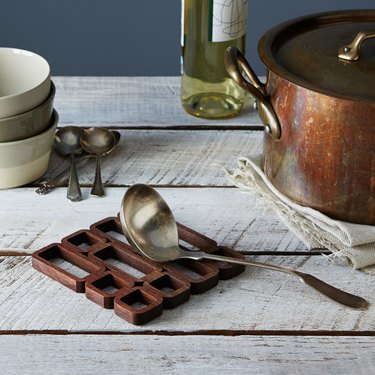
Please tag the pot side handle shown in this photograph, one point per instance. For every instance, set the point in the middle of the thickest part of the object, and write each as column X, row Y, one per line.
column 235, row 62
column 351, row 51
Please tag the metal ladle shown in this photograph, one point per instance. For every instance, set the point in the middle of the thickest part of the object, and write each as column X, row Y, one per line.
column 98, row 141
column 67, row 142
column 150, row 227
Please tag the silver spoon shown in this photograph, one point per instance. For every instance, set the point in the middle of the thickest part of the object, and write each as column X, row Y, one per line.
column 67, row 142
column 46, row 187
column 150, row 227
column 98, row 141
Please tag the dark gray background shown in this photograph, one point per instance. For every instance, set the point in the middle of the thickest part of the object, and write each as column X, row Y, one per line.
column 129, row 37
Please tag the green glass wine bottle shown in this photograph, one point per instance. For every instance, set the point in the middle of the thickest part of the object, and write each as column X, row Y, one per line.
column 208, row 28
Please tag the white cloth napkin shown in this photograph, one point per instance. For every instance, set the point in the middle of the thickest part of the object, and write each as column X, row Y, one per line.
column 353, row 242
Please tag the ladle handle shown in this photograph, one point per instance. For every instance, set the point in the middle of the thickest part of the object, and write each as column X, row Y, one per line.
column 74, row 191
column 330, row 291
column 97, row 188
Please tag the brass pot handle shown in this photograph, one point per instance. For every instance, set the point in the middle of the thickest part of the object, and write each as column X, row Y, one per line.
column 235, row 61
column 351, row 51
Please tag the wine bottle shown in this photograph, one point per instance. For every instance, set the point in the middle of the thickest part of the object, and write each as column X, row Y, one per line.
column 208, row 28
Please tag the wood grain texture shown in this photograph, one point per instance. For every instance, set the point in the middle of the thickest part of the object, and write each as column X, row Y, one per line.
column 163, row 146
column 182, row 158
column 234, row 219
column 91, row 354
column 257, row 300
column 130, row 101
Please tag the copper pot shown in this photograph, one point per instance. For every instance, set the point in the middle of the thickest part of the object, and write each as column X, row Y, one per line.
column 318, row 108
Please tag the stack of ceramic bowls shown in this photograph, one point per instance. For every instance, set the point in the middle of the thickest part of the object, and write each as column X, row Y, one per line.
column 27, row 118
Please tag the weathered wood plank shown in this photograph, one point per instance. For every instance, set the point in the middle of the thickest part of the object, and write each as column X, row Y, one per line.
column 130, row 101
column 92, row 354
column 183, row 158
column 241, row 221
column 258, row 300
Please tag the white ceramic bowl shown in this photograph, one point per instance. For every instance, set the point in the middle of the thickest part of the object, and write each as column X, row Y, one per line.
column 26, row 160
column 29, row 123
column 24, row 81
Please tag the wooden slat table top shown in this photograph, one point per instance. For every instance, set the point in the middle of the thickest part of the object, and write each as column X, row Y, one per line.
column 258, row 323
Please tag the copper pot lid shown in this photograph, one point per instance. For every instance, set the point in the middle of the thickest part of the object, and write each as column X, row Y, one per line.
column 305, row 51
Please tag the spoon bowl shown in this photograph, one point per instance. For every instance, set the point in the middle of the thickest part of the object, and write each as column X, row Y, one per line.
column 67, row 142
column 98, row 141
column 117, row 136
column 150, row 227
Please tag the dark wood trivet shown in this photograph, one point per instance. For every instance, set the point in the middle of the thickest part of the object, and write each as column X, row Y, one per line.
column 102, row 251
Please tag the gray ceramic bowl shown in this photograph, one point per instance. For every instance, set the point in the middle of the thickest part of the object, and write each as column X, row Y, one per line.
column 24, row 81
column 29, row 123
column 24, row 161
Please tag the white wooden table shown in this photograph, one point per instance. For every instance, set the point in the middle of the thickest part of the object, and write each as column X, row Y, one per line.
column 258, row 323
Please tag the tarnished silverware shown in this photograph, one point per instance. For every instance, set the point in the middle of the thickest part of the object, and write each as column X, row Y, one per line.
column 67, row 142
column 98, row 141
column 46, row 187
column 150, row 227
column 51, row 184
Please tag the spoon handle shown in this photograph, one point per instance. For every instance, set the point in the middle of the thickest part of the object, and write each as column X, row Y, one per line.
column 97, row 188
column 46, row 187
column 74, row 191
column 329, row 291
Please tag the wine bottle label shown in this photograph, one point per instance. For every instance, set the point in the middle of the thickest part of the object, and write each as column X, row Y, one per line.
column 228, row 19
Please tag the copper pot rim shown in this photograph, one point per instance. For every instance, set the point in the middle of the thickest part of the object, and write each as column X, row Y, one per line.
column 277, row 35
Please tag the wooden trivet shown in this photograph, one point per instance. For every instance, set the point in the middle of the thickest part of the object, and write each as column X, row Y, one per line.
column 101, row 249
